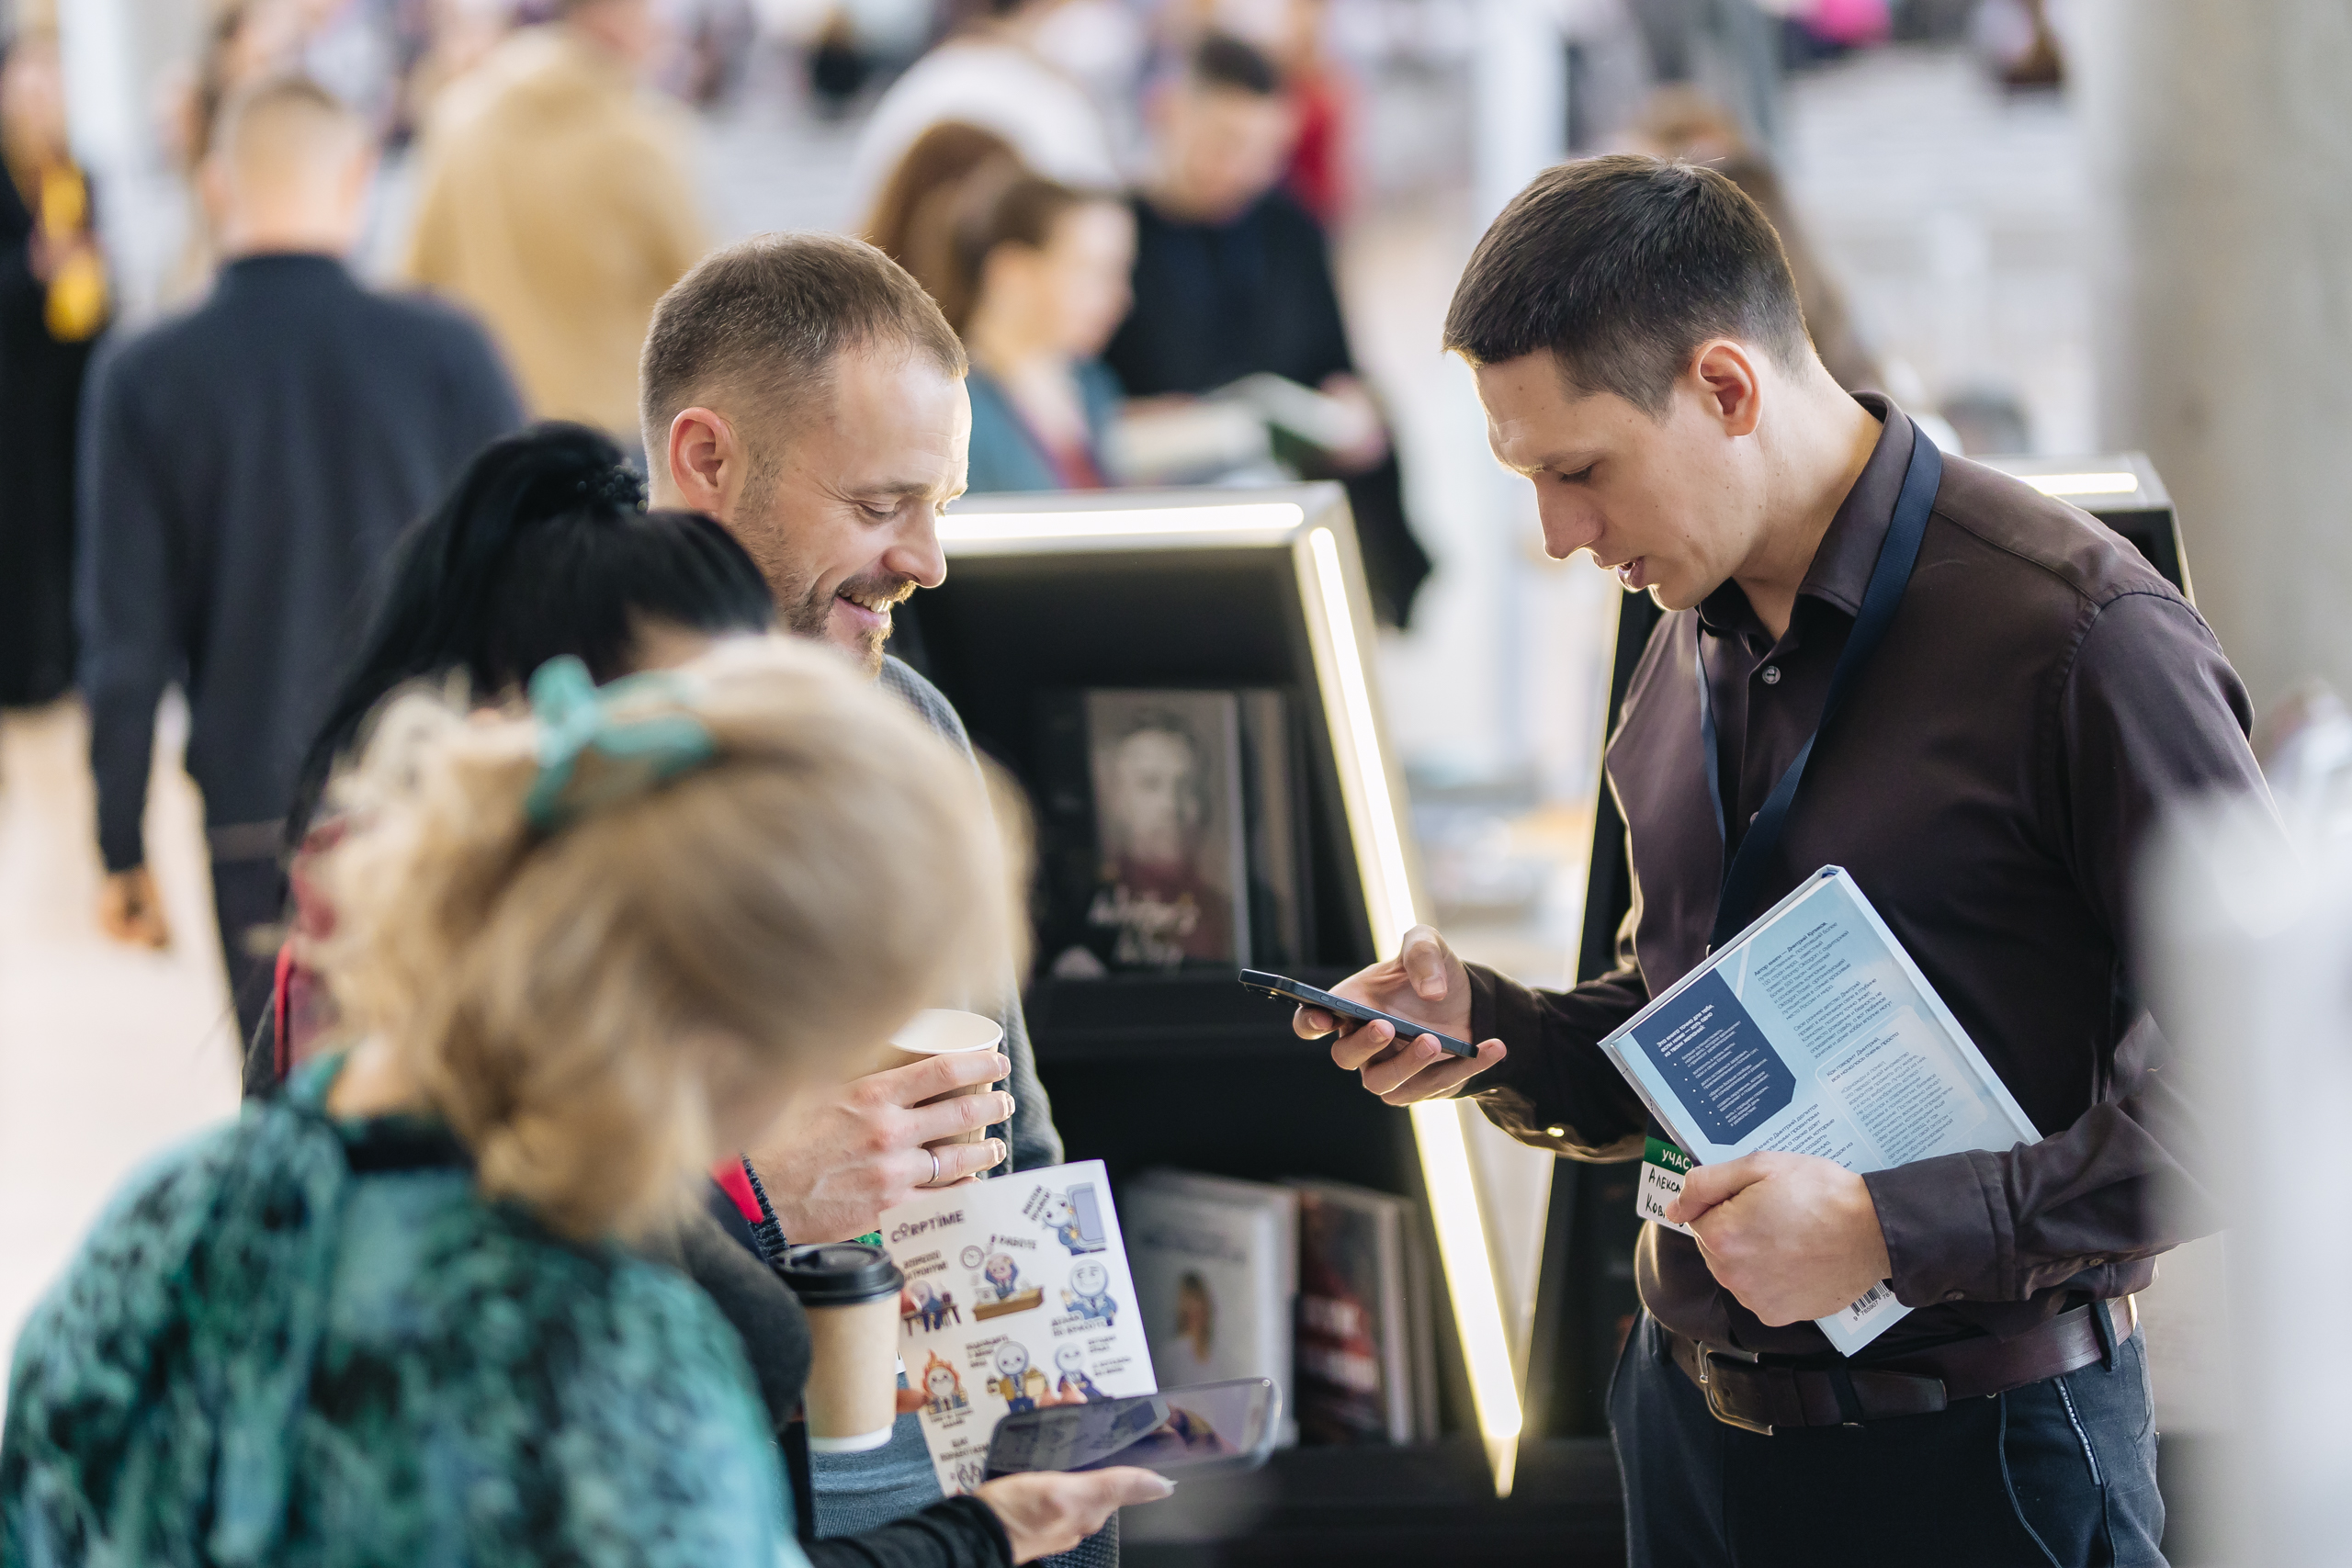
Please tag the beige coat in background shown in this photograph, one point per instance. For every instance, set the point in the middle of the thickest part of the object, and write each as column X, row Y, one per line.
column 556, row 201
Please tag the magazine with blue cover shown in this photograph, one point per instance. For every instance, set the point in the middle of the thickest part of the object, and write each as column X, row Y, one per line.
column 1813, row 1031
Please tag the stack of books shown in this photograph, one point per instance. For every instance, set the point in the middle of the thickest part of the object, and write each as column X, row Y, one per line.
column 1320, row 1285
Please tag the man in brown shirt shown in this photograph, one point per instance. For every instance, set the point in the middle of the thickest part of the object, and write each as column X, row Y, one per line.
column 2039, row 696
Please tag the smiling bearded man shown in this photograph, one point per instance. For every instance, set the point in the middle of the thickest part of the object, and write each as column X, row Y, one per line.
column 803, row 390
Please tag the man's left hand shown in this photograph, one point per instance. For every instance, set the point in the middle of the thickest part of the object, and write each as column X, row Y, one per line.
column 1793, row 1236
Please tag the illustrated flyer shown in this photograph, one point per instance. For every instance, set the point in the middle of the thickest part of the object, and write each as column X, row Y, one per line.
column 1018, row 1296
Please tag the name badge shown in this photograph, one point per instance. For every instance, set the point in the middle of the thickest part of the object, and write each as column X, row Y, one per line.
column 1663, row 1168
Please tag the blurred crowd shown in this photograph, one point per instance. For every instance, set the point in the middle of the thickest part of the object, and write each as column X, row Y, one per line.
column 1125, row 210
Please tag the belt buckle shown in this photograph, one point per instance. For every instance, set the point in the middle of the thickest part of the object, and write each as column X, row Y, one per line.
column 1712, row 1387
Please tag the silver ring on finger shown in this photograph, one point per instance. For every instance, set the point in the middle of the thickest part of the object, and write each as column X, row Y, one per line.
column 934, row 1168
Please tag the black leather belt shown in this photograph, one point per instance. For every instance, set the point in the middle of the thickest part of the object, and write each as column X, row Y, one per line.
column 1762, row 1392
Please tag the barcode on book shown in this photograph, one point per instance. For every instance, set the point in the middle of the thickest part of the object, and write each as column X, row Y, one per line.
column 1870, row 1301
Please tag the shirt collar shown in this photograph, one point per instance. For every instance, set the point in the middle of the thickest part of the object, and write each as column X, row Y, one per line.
column 1842, row 563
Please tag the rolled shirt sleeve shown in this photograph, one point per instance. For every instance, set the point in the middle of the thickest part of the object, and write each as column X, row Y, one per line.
column 2150, row 714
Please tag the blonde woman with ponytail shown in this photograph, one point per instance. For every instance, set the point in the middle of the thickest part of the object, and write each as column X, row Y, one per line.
column 392, row 1316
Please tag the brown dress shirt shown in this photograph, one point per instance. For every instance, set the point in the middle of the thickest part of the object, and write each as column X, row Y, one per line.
column 2041, row 695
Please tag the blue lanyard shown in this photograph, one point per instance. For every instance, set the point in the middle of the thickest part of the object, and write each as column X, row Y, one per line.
column 1889, row 577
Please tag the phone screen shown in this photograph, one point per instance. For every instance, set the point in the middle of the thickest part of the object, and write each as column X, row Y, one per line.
column 1229, row 1425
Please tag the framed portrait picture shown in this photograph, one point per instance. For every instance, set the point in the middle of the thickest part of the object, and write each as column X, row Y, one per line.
column 1167, row 881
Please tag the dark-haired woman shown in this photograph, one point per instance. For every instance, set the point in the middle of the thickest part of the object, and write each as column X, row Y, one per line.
column 1039, row 283
column 544, row 550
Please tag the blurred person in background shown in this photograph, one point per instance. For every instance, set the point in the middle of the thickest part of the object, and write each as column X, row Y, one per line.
column 54, row 301
column 245, row 42
column 1681, row 122
column 1233, row 278
column 914, row 208
column 556, row 201
column 243, row 468
column 1731, row 49
column 560, row 1024
column 991, row 73
column 441, row 42
column 806, row 391
column 1291, row 33
column 1040, row 281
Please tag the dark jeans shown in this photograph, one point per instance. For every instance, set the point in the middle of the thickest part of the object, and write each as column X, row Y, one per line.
column 249, row 895
column 2061, row 1472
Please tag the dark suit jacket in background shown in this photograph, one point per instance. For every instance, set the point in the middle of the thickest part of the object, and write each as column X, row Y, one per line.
column 243, row 468
column 40, row 396
column 1215, row 302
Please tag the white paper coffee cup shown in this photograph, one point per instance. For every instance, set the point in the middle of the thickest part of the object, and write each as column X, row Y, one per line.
column 947, row 1032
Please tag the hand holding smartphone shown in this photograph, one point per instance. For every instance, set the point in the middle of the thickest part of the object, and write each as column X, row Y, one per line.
column 1283, row 988
column 1217, row 1425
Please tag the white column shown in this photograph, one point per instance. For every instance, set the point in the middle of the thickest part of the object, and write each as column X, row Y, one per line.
column 102, row 79
column 1519, row 79
column 2221, row 155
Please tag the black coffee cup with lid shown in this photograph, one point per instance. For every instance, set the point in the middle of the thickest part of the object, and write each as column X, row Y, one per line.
column 849, row 1292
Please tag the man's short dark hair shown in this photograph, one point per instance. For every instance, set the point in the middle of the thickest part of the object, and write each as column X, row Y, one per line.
column 1221, row 59
column 761, row 323
column 1622, row 267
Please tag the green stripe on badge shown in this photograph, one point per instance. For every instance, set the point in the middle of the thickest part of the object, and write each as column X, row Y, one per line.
column 1665, row 1156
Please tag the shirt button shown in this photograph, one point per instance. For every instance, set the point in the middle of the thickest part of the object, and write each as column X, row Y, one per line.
column 1772, row 674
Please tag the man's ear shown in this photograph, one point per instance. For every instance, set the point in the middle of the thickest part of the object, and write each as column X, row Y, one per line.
column 703, row 463
column 1726, row 374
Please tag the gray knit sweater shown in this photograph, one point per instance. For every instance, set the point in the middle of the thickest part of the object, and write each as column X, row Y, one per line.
column 861, row 1491
column 1032, row 1137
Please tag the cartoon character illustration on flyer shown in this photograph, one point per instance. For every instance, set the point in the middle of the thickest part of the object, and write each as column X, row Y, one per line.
column 1088, row 1293
column 943, row 1387
column 1075, row 1386
column 1075, row 1217
column 928, row 1308
column 999, row 1289
column 1018, row 1384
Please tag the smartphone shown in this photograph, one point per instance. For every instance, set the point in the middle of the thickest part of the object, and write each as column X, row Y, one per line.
column 1285, row 989
column 1217, row 1425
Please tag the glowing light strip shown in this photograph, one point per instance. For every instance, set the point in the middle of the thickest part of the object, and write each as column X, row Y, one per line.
column 1437, row 1127
column 1009, row 527
column 1389, row 889
column 2083, row 484
column 1470, row 1279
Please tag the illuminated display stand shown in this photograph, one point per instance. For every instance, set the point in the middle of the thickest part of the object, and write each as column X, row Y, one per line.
column 1257, row 589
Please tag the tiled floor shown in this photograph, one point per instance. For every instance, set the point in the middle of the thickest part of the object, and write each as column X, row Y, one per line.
column 107, row 1054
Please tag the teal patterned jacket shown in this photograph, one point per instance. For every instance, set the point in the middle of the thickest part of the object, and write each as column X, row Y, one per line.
column 301, row 1342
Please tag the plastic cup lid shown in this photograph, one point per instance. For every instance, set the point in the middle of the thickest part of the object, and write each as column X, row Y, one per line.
column 839, row 1273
